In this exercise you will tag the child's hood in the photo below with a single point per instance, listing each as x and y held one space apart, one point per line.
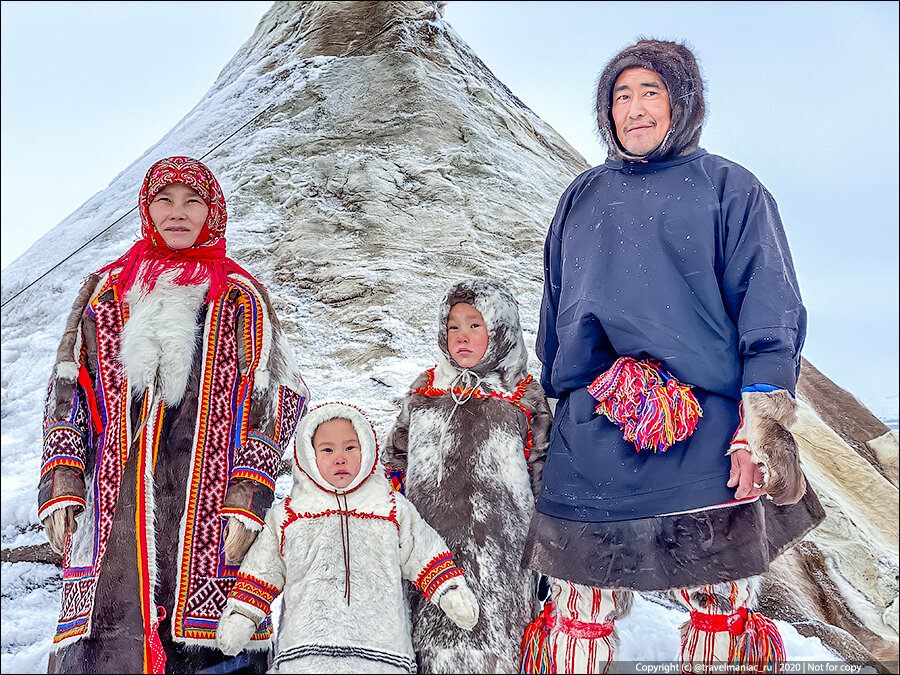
305 467
506 354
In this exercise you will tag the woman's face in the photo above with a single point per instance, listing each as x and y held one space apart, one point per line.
178 214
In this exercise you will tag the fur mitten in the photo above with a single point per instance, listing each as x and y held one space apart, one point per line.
238 538
57 525
767 418
460 605
234 631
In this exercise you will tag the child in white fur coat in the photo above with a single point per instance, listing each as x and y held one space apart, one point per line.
338 548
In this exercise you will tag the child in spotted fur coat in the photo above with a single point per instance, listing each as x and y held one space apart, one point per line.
470 441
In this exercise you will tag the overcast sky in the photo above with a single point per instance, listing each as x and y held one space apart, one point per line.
803 94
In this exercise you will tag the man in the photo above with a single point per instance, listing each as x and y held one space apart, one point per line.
676 260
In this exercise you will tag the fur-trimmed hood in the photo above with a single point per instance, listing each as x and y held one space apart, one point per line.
305 468
678 69
505 362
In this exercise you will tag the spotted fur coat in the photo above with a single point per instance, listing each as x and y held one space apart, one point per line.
472 469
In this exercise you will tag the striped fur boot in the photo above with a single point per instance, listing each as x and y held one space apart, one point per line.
575 632
723 629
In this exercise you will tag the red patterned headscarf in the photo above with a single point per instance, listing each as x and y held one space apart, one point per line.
205 260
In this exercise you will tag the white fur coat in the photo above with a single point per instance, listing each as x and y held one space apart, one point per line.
332 621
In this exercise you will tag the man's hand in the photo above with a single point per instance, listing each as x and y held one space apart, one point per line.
746 475
768 417
57 525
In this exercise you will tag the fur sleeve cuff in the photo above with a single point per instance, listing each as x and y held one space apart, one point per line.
247 518
248 496
67 370
778 406
57 503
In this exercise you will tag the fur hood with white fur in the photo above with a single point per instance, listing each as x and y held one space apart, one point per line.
472 459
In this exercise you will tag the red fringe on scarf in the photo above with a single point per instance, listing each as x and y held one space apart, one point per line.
198 264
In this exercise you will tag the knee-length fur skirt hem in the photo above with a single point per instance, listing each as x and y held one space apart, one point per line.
669 552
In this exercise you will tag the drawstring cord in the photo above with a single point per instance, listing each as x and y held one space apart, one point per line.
345 542
468 382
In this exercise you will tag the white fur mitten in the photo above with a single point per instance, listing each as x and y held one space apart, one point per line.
57 525
238 538
460 605
234 632
767 417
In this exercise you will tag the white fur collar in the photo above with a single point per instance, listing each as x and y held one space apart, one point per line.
159 338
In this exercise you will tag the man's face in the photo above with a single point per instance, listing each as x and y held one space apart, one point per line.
640 110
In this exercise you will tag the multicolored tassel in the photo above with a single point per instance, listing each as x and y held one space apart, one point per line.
653 409
536 654
755 645
759 648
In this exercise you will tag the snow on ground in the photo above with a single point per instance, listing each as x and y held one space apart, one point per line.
31 594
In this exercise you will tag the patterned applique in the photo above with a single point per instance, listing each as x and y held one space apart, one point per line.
204 583
254 592
79 585
439 570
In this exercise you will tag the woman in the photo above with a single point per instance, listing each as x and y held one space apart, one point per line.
173 397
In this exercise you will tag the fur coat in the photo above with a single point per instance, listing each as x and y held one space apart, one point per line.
170 411
338 557
473 468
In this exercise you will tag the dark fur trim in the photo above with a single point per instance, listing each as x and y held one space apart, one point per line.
541 421
678 68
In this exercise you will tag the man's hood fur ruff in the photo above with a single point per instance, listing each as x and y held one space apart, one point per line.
678 68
